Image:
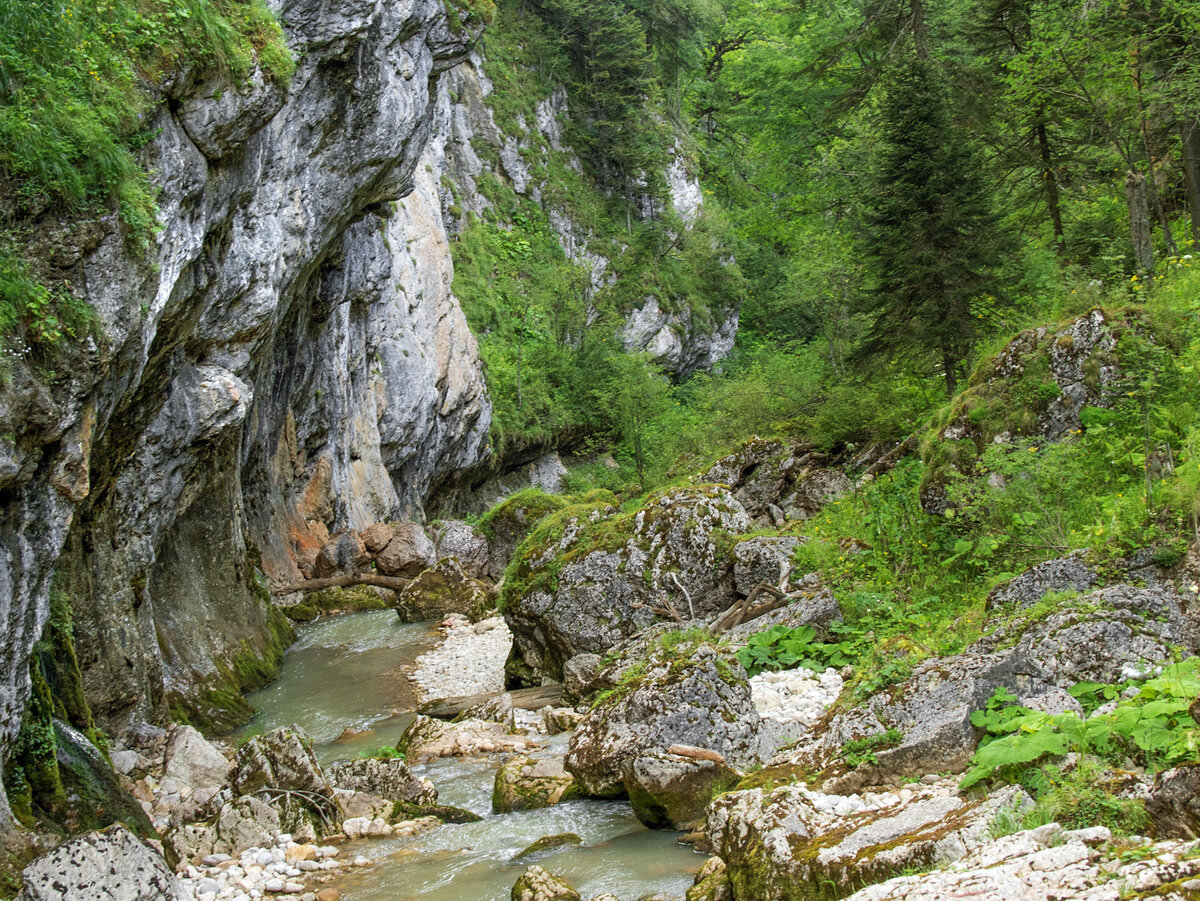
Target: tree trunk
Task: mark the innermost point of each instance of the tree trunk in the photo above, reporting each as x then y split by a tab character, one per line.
1139	221
1050	186
950	365
1189	132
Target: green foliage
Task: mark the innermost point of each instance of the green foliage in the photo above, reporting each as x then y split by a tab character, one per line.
862	750
930	236
387	752
781	648
1150	726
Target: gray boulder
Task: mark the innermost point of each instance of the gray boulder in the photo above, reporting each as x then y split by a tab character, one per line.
692	695
536	884
762	559
1069	573
813	489
113	865
246	823
281	760
193	760
792	844
1098	637
408	553
598	582
388	778
345	553
465	543
579	675
672	791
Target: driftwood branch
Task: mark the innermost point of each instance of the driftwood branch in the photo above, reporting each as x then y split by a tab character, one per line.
393	582
668	612
687	596
746	609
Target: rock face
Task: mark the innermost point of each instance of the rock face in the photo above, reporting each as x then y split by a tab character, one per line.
674	342
585	600
777	480
287	362
1097	637
113	865
698	698
792	844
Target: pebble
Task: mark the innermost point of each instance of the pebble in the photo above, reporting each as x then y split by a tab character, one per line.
467	661
795	697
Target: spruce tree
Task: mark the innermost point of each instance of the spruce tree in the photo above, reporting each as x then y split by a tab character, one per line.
930	238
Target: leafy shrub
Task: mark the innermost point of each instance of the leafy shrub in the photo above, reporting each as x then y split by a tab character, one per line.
780	648
1152	727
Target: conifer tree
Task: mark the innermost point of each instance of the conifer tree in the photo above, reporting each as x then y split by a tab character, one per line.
931	240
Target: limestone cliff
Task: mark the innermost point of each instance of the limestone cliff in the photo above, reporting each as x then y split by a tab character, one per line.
288	361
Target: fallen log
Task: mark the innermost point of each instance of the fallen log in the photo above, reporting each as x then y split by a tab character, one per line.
523	699
892	457
395	583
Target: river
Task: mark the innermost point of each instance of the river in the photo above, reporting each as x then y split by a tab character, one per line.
342	683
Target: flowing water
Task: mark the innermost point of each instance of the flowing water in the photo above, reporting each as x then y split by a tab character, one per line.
343	673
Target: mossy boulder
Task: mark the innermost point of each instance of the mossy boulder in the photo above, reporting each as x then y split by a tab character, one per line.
590	577
442	590
711	883
281	760
507	524
689	693
672	791
549	843
793	844
536	884
525	783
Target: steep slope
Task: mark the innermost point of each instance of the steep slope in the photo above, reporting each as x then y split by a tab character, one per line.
288	361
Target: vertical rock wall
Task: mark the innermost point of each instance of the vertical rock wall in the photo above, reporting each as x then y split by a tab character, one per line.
288	361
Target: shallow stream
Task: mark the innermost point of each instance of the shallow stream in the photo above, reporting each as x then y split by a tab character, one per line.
344	673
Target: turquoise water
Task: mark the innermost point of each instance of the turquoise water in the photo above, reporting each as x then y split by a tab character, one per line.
345	673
